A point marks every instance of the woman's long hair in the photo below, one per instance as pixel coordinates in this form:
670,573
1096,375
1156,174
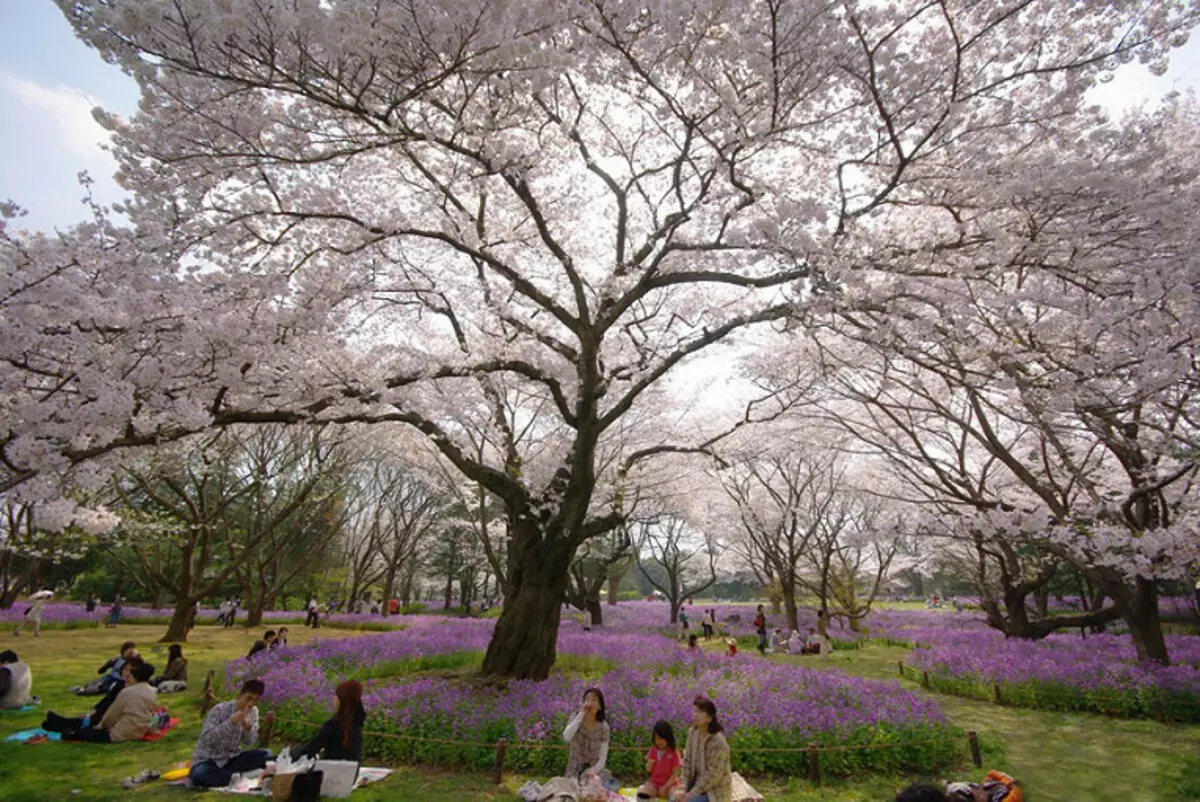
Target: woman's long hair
349,696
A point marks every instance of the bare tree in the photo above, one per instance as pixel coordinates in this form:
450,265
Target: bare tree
593,568
688,559
780,503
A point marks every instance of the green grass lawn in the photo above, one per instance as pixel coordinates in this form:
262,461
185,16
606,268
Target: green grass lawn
1057,756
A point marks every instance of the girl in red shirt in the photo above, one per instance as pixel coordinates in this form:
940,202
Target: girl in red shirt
664,763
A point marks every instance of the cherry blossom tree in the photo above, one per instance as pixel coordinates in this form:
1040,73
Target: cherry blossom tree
1025,360
413,213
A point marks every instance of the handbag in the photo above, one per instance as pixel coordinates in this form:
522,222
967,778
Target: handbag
307,787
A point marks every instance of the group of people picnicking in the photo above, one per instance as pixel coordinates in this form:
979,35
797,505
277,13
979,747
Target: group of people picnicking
129,688
699,772
777,642
230,730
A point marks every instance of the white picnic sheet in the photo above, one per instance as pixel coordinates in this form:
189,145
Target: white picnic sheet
742,791
250,784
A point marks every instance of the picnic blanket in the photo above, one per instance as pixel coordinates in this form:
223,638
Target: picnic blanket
25,735
154,735
742,791
250,783
26,709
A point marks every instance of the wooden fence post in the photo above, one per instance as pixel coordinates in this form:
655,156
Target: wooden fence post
1159,712
973,740
208,703
925,680
209,698
498,772
814,764
996,694
268,729
900,665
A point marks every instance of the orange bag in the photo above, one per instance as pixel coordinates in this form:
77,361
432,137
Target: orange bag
1014,793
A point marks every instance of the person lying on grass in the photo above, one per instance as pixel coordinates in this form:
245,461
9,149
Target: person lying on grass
56,723
16,681
110,672
131,713
229,727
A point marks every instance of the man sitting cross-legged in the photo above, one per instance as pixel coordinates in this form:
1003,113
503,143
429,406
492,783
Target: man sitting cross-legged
228,727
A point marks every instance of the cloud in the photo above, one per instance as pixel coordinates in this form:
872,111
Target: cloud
69,112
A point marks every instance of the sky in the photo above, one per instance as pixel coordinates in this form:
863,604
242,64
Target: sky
50,81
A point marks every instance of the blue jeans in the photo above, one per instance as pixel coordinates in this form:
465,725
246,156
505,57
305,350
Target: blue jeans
208,774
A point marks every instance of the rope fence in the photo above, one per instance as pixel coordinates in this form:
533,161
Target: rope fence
1158,704
503,745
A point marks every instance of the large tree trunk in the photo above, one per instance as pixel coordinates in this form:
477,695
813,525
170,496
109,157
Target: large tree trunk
389,582
406,589
1041,601
523,643
614,588
254,614
788,591
1141,614
177,629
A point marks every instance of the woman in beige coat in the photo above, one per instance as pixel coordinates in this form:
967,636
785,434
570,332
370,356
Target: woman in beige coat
707,776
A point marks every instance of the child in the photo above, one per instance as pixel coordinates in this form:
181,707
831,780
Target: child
732,647
663,762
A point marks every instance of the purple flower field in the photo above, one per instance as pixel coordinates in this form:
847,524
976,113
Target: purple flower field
1064,672
645,677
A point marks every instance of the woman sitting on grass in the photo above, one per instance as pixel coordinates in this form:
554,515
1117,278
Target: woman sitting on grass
129,717
340,738
174,678
707,776
587,732
56,723
16,681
